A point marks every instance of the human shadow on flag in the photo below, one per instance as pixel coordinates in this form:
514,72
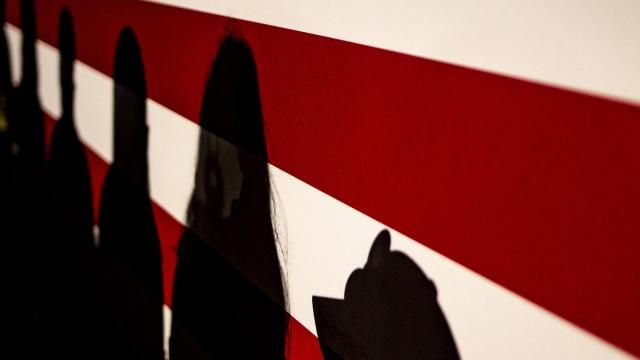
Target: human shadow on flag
229,297
390,311
128,241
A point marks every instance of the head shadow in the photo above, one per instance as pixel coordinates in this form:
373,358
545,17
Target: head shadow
128,236
389,311
68,169
67,47
130,133
29,80
232,152
6,89
229,298
5,64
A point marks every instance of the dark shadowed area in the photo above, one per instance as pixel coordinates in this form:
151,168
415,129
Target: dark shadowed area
27,118
6,141
389,311
27,264
69,176
228,298
128,240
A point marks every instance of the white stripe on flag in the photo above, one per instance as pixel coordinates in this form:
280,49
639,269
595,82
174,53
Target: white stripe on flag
588,46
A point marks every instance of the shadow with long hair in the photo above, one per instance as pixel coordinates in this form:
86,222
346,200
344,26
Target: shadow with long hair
228,296
128,237
390,311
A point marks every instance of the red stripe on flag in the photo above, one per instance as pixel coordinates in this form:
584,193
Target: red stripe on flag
302,344
536,188
98,169
170,232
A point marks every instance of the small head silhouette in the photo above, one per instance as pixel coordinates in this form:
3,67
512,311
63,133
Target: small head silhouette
28,24
130,133
66,43
28,18
5,66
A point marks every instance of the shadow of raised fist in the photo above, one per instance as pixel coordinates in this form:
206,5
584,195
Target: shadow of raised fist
390,311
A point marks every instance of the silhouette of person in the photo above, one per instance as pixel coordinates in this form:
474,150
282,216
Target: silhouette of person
68,170
6,157
128,236
389,311
6,90
228,297
31,263
10,328
72,314
27,116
